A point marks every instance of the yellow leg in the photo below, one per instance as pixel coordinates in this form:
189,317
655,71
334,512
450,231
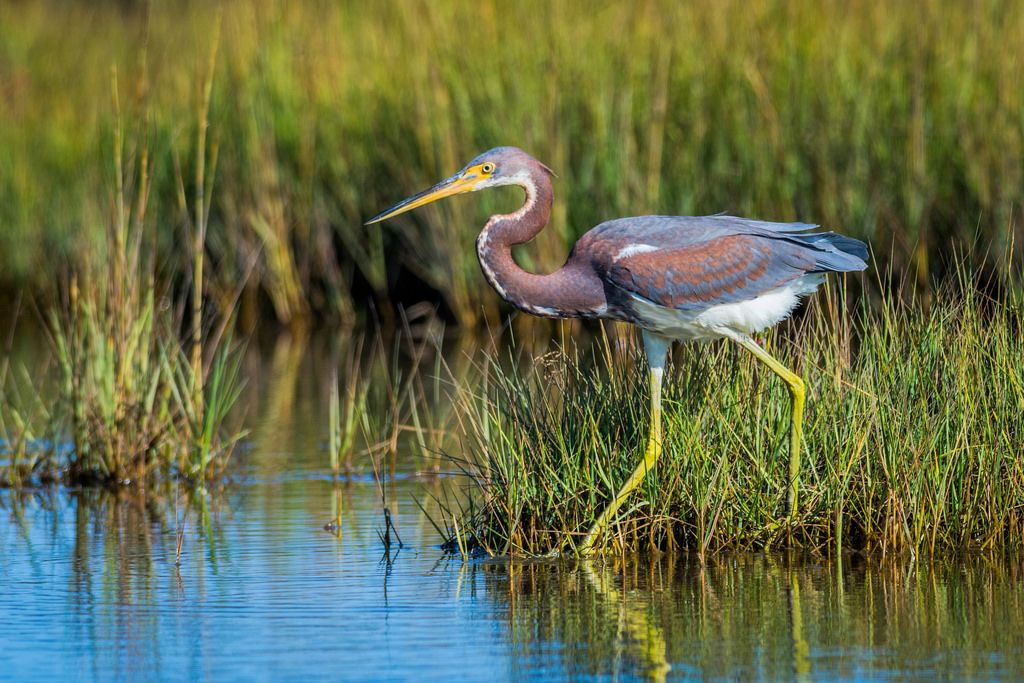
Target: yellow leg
796,392
656,349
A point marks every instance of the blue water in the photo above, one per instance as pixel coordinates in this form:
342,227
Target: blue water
263,592
90,588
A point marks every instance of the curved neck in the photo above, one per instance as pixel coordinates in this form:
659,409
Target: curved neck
574,290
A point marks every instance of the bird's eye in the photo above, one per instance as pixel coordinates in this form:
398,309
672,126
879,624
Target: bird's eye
487,168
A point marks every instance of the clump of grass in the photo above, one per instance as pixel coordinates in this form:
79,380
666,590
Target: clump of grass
136,401
131,409
347,410
913,437
390,376
27,425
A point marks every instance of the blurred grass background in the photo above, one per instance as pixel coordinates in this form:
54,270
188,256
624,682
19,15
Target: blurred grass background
898,123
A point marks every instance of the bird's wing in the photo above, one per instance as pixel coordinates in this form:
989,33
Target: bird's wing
692,262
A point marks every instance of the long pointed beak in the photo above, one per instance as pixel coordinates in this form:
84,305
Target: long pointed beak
457,184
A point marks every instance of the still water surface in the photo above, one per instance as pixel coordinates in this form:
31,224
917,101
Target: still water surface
89,588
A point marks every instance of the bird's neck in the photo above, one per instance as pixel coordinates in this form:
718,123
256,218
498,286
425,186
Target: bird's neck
574,290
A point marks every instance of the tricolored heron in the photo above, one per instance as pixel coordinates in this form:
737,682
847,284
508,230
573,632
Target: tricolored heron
678,278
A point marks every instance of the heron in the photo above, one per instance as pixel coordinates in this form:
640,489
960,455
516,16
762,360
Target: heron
677,278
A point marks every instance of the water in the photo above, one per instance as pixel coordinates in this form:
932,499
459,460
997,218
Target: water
90,588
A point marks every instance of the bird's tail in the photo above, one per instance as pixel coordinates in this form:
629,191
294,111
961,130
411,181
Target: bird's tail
837,253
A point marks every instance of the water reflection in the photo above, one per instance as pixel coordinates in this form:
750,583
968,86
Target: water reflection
637,634
94,584
91,585
766,617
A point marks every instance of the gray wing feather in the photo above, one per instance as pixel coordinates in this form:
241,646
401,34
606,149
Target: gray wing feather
670,231
696,261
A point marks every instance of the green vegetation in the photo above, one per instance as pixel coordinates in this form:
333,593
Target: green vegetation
898,123
134,401
388,400
913,438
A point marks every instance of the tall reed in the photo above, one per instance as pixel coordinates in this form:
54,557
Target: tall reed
388,400
893,122
136,401
27,425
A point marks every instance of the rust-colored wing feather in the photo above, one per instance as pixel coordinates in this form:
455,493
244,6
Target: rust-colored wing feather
723,270
693,262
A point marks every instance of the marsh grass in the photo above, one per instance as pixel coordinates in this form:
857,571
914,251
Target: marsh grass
136,402
347,410
27,425
894,122
912,437
390,396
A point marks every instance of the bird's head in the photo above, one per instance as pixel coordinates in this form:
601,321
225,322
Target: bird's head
493,168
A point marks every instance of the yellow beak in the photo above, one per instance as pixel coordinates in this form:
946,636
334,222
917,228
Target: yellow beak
463,181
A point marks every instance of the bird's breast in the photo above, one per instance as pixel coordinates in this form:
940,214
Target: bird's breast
715,321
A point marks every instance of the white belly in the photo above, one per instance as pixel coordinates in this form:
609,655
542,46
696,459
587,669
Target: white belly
726,320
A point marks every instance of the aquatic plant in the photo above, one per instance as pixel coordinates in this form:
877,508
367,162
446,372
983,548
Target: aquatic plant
27,427
135,400
349,411
891,122
913,443
386,399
